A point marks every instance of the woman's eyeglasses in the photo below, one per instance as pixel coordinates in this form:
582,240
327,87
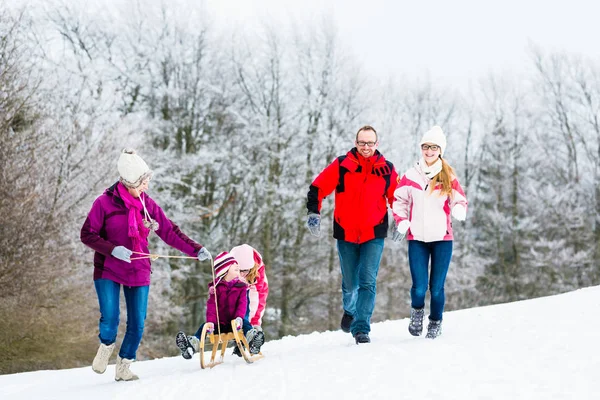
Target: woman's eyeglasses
433,147
244,271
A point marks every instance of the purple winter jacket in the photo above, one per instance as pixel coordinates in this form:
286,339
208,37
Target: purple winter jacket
233,301
106,227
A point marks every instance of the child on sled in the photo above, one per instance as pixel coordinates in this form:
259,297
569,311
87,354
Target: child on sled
252,271
229,294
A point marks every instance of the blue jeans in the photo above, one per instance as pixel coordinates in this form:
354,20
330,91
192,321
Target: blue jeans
359,264
419,254
136,299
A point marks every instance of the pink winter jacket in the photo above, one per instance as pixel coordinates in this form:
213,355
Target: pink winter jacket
429,212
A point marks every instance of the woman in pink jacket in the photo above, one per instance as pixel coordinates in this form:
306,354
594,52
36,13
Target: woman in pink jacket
426,198
252,271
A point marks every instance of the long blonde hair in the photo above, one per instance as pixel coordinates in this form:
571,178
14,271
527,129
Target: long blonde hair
445,177
252,274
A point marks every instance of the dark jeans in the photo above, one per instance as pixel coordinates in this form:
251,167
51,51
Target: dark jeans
136,299
419,255
359,264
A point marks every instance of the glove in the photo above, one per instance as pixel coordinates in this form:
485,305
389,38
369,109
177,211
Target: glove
238,323
314,224
203,254
459,212
210,327
258,328
122,253
401,230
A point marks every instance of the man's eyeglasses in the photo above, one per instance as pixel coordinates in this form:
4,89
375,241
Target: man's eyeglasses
433,147
361,143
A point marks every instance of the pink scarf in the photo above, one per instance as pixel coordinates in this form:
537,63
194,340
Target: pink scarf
136,229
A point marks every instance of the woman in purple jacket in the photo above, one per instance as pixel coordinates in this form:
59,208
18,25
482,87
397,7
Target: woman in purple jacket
117,226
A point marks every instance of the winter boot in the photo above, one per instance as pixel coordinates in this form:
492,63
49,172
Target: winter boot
187,344
416,321
256,342
122,371
101,360
434,329
361,337
346,322
236,351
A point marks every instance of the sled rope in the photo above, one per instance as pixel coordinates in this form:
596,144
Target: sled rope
156,256
212,268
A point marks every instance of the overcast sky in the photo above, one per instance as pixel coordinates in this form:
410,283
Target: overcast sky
451,41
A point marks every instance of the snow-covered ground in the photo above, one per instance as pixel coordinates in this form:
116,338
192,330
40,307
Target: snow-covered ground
545,348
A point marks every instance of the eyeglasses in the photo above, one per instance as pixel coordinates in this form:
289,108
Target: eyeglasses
244,271
361,143
433,147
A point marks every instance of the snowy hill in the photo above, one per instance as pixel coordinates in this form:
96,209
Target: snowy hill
545,348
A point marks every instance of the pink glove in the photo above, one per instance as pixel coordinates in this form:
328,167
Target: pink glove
238,323
210,327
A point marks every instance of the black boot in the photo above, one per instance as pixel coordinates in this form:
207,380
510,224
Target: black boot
361,337
256,342
434,329
187,350
346,322
416,321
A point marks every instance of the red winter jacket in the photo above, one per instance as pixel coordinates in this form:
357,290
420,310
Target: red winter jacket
363,189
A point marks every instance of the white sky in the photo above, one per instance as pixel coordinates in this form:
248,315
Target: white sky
451,41
545,348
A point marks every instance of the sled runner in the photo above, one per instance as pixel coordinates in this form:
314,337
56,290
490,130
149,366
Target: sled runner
221,340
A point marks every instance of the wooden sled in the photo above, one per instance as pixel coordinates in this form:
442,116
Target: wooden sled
222,340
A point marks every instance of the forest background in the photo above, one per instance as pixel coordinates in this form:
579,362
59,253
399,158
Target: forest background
235,125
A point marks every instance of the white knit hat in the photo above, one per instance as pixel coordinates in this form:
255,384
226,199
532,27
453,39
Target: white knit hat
132,169
245,255
435,135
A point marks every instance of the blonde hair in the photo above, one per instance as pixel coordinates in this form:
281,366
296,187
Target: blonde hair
252,274
445,177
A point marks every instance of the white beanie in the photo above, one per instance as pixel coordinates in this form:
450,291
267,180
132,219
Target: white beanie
435,135
132,169
245,256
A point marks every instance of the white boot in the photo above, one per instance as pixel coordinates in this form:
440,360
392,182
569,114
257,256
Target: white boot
102,357
122,371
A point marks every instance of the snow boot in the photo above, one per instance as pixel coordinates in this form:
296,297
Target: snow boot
236,351
187,344
122,371
361,337
256,342
416,321
102,356
434,329
346,322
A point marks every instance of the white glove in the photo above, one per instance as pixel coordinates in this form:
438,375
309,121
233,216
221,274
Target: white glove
403,226
122,253
203,254
459,212
238,323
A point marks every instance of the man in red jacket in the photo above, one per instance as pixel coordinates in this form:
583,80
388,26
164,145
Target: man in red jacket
364,182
